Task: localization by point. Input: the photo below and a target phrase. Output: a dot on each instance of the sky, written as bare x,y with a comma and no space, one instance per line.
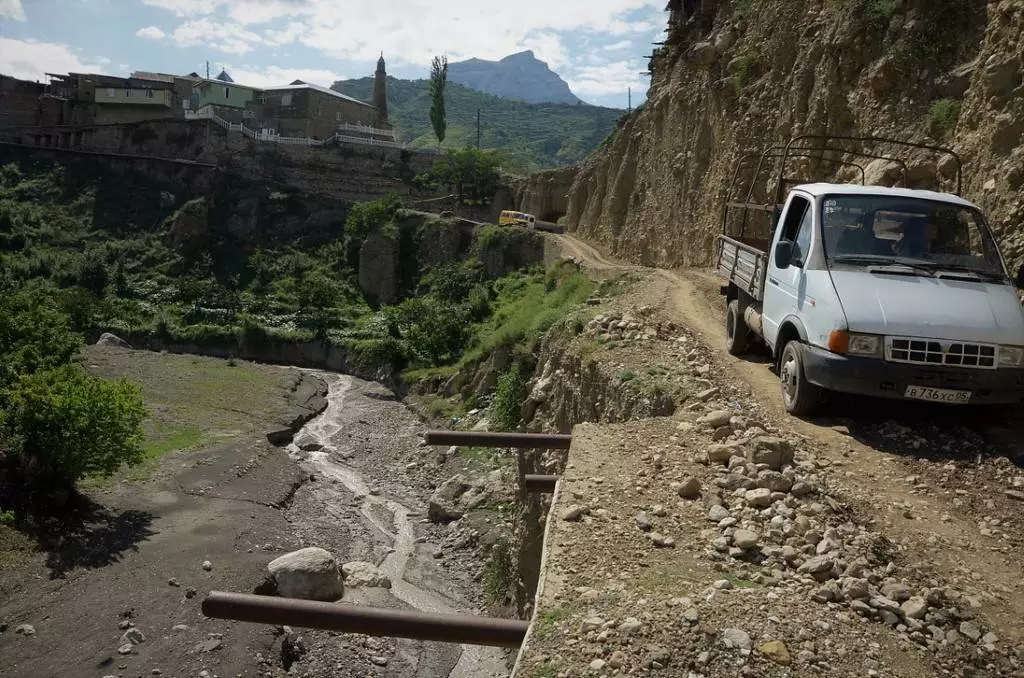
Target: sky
597,46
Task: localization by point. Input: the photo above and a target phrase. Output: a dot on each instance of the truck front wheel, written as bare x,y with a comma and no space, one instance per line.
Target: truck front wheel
799,395
737,334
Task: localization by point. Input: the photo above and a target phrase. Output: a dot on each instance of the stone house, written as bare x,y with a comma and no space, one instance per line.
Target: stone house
96,99
305,110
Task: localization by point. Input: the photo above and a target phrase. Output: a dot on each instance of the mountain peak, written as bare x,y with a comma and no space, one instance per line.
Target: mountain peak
517,76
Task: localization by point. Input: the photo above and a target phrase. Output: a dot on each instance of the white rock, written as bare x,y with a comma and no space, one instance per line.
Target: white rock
207,565
745,539
759,497
310,573
361,573
737,639
717,513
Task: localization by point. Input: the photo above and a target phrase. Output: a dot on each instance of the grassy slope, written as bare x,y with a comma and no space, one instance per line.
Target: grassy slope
532,136
195,401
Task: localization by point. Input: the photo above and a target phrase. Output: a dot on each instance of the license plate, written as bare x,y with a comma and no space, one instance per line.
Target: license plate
938,395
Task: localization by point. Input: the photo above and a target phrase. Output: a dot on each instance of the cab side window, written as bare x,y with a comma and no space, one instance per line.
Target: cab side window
797,228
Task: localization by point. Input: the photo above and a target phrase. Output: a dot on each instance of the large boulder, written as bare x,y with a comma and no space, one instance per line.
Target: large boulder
770,450
310,573
444,503
108,339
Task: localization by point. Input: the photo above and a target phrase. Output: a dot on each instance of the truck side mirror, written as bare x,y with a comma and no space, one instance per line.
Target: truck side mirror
783,253
1020,277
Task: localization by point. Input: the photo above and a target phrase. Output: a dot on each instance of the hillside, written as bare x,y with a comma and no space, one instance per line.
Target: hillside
755,73
518,76
532,136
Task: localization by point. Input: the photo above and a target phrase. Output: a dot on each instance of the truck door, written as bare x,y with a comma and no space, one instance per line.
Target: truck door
785,288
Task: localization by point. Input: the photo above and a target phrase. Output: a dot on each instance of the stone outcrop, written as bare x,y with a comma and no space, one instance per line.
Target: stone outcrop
546,194
946,72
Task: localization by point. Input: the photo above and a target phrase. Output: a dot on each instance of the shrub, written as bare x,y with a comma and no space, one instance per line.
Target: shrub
452,282
942,117
499,572
881,12
508,398
71,424
34,336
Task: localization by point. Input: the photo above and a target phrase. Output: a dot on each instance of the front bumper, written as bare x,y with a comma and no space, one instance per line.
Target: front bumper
880,378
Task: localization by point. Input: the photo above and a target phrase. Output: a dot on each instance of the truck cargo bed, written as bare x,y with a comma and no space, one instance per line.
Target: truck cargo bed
743,263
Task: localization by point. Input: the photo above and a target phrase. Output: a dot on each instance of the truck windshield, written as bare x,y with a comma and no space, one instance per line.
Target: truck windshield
866,229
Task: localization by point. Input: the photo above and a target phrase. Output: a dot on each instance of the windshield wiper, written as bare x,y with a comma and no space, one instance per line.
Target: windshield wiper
879,261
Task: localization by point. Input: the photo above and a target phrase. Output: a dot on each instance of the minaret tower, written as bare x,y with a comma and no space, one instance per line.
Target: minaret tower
380,94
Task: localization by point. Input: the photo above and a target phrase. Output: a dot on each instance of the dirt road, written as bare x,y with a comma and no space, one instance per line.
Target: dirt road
928,476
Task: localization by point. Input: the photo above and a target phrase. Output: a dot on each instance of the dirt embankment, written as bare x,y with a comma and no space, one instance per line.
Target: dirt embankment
742,76
884,545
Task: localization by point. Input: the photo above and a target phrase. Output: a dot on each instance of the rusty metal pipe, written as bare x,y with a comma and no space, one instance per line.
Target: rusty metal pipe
494,439
539,483
310,614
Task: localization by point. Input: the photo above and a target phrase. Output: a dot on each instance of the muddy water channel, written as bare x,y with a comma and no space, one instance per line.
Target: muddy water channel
367,502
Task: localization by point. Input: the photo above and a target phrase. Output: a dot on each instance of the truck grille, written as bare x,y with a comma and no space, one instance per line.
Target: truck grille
931,352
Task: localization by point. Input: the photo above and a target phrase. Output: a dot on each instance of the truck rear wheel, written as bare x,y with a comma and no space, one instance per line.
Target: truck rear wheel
799,395
737,334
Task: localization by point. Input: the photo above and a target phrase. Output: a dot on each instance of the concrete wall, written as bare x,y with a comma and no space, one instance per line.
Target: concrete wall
19,102
225,94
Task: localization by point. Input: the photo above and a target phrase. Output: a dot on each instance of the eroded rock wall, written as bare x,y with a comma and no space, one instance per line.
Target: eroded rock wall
741,76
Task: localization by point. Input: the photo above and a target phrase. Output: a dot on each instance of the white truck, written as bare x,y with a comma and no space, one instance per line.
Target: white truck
868,290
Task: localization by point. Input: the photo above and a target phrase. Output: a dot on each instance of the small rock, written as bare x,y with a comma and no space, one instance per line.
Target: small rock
643,521
745,539
25,630
597,665
990,638
690,488
190,592
708,394
691,615
207,565
717,513
209,645
173,582
360,573
855,589
659,539
722,584
133,636
378,660
716,419
914,608
777,651
970,630
759,497
590,624
125,649
573,513
617,660
736,639
124,624
1015,494
180,627
630,626
898,591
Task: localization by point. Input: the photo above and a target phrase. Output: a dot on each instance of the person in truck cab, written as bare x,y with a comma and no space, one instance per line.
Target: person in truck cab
916,238
861,238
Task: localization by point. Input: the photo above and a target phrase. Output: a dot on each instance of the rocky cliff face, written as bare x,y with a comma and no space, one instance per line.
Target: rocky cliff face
742,75
518,76
545,194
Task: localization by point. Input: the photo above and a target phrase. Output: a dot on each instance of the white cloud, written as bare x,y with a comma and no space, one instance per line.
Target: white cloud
31,60
12,9
185,7
616,46
151,32
608,78
275,75
227,37
290,34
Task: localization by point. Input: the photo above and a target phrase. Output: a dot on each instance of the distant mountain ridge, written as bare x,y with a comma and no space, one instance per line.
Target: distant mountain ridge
518,76
531,136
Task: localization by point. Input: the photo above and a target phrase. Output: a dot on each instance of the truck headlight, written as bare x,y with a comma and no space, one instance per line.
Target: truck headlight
1011,356
865,345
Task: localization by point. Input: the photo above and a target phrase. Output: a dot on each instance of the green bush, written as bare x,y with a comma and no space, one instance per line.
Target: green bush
881,12
71,424
452,282
34,335
499,572
943,117
508,398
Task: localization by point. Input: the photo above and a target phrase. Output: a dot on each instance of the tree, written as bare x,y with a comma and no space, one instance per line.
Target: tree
471,174
71,424
438,79
34,335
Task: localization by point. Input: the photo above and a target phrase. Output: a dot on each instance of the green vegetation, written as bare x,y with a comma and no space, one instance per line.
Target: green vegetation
438,79
499,572
508,396
548,620
943,117
881,12
529,136
743,70
473,176
548,669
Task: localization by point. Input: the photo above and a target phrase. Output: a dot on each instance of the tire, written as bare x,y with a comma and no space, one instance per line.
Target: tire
798,395
737,334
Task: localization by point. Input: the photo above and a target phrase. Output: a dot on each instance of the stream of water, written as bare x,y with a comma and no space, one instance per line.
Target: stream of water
474,661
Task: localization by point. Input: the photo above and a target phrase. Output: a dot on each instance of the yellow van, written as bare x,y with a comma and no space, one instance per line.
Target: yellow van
512,218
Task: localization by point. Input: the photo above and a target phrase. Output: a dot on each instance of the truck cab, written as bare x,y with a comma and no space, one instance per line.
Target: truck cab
879,291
